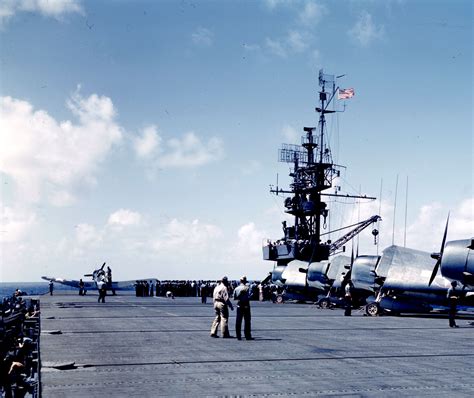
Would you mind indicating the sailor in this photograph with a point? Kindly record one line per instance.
(109, 277)
(241, 294)
(51, 287)
(221, 303)
(348, 298)
(81, 288)
(101, 286)
(146, 287)
(452, 297)
(260, 292)
(109, 280)
(203, 293)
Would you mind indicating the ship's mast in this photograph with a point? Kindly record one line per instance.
(310, 178)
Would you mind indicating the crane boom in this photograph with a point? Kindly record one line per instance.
(347, 237)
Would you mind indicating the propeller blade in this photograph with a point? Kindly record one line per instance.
(435, 271)
(444, 238)
(438, 261)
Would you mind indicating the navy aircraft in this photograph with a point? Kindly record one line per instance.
(406, 279)
(456, 261)
(360, 273)
(307, 282)
(402, 283)
(396, 281)
(97, 276)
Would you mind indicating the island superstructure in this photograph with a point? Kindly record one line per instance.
(313, 174)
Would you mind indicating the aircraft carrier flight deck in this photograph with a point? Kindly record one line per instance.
(155, 346)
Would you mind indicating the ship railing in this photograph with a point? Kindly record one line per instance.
(282, 249)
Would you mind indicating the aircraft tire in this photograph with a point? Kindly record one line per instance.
(279, 299)
(324, 303)
(372, 309)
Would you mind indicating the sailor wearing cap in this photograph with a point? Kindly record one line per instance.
(453, 301)
(221, 301)
(241, 294)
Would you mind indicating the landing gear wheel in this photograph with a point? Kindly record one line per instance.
(324, 303)
(372, 309)
(279, 299)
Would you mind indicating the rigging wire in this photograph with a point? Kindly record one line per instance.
(358, 218)
(394, 211)
(406, 210)
(380, 213)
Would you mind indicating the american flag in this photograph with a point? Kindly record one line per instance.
(345, 93)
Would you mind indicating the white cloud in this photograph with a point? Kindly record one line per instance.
(48, 8)
(148, 143)
(308, 12)
(190, 151)
(244, 253)
(202, 37)
(424, 232)
(365, 31)
(272, 4)
(462, 226)
(276, 47)
(186, 238)
(249, 240)
(15, 224)
(428, 228)
(45, 156)
(251, 47)
(91, 109)
(296, 41)
(312, 13)
(61, 198)
(290, 134)
(88, 236)
(125, 217)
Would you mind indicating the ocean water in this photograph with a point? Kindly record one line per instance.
(31, 288)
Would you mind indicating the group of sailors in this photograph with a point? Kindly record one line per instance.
(172, 288)
(200, 288)
(19, 342)
(145, 289)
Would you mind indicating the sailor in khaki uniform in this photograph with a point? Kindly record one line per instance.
(241, 294)
(221, 303)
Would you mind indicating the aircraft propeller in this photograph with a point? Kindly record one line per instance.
(439, 256)
(95, 271)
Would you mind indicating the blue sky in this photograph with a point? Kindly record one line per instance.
(145, 133)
